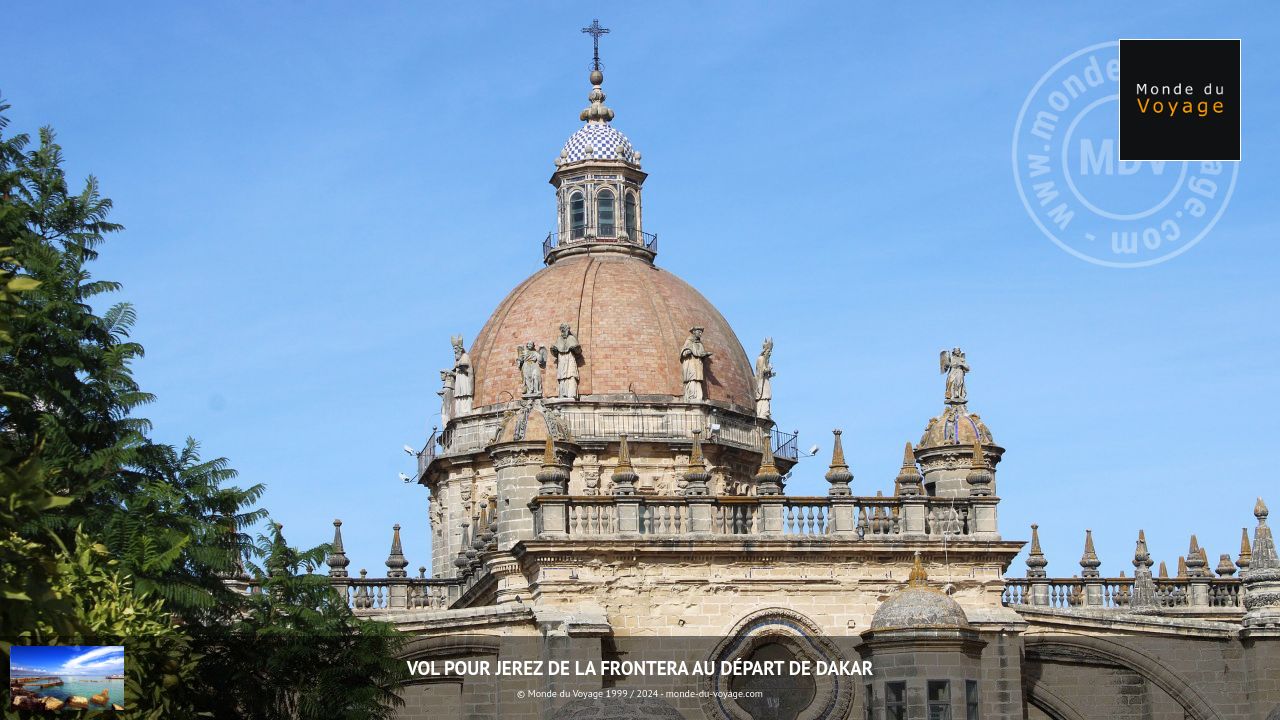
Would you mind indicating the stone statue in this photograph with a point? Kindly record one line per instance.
(463, 383)
(952, 363)
(764, 380)
(693, 359)
(566, 350)
(446, 397)
(531, 360)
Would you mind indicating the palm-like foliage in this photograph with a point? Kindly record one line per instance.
(317, 660)
(106, 535)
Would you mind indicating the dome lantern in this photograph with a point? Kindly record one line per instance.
(598, 183)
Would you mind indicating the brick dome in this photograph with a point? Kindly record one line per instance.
(631, 319)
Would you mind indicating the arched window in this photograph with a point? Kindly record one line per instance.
(577, 216)
(605, 214)
(632, 217)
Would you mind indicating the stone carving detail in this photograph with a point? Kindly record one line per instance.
(953, 364)
(693, 366)
(463, 383)
(447, 379)
(531, 360)
(764, 380)
(566, 351)
(509, 459)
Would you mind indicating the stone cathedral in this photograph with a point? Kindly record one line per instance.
(609, 488)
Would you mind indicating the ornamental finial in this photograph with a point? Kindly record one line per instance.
(838, 474)
(597, 112)
(918, 576)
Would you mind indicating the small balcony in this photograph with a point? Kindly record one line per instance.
(604, 234)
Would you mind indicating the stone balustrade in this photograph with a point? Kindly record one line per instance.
(476, 431)
(370, 595)
(1117, 593)
(863, 518)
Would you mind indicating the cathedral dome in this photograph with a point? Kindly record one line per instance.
(919, 606)
(598, 141)
(631, 319)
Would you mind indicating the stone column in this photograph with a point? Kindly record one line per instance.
(397, 583)
(842, 502)
(1262, 580)
(338, 562)
(552, 507)
(1197, 575)
(769, 486)
(1036, 575)
(696, 488)
(1089, 564)
(1143, 597)
(624, 490)
(518, 465)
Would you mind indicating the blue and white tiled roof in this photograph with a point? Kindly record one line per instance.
(598, 141)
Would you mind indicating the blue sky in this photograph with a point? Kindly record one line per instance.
(318, 195)
(87, 660)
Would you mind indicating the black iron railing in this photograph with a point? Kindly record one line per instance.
(648, 241)
(786, 445)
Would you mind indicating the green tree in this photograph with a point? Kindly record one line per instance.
(107, 536)
(320, 660)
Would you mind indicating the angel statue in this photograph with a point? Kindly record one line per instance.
(566, 350)
(764, 380)
(952, 363)
(531, 360)
(463, 383)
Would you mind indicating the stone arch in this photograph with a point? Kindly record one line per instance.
(1149, 667)
(449, 645)
(1049, 703)
(834, 693)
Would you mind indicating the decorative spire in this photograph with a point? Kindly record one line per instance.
(1196, 563)
(1262, 581)
(1225, 568)
(1164, 571)
(909, 481)
(552, 478)
(1264, 547)
(278, 561)
(1089, 561)
(1036, 561)
(1182, 567)
(395, 561)
(979, 476)
(1141, 557)
(597, 112)
(460, 561)
(695, 471)
(1144, 589)
(838, 474)
(624, 476)
(918, 577)
(1246, 553)
(768, 479)
(337, 559)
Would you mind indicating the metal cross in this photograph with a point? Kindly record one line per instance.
(595, 31)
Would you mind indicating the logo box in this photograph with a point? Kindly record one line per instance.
(1179, 100)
